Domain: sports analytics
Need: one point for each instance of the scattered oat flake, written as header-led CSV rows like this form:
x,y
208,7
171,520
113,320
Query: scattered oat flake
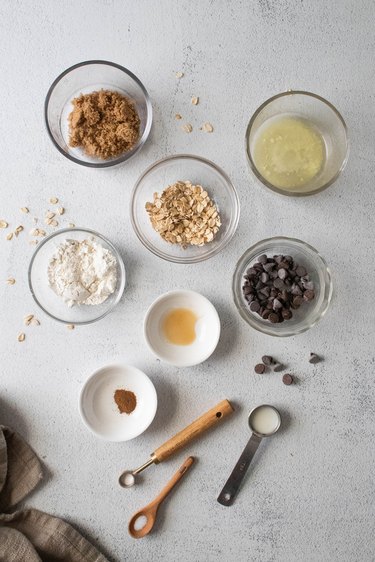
x,y
50,215
9,236
207,128
178,116
3,224
195,100
11,281
35,321
72,225
60,211
187,128
33,242
27,320
18,230
21,337
24,210
54,222
179,74
54,200
70,326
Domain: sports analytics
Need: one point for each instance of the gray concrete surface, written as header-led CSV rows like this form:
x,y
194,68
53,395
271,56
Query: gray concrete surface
x,y
310,493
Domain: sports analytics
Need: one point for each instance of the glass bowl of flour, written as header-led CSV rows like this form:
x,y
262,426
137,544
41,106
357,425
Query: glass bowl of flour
x,y
76,276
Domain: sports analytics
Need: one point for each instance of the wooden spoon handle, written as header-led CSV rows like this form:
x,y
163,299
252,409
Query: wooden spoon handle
x,y
173,481
209,419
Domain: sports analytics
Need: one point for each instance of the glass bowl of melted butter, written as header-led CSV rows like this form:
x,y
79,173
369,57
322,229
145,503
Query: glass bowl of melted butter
x,y
297,143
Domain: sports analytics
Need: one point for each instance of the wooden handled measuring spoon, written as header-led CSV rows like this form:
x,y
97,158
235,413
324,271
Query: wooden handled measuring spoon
x,y
210,419
150,511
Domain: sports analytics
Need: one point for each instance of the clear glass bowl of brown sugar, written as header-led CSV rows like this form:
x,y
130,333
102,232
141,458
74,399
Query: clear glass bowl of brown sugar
x,y
308,312
85,78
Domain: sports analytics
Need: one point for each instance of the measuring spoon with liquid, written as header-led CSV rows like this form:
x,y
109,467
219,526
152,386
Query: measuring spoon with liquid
x,y
263,421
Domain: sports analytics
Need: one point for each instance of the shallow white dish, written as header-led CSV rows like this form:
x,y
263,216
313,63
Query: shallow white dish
x,y
207,328
100,412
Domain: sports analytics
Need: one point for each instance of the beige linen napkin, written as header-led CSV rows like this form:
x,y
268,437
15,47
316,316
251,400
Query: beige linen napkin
x,y
30,535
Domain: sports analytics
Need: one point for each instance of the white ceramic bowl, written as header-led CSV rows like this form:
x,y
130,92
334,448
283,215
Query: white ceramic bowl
x,y
207,328
98,408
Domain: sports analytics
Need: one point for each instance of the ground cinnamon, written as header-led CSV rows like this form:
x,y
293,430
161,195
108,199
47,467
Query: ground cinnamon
x,y
126,400
104,124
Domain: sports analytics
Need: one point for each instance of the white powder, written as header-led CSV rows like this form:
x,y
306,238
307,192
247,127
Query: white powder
x,y
82,272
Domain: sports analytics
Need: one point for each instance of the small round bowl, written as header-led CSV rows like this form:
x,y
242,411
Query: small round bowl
x,y
84,78
46,298
303,254
99,410
207,328
199,171
326,119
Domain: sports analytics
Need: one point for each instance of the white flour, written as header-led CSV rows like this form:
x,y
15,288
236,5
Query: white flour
x,y
82,272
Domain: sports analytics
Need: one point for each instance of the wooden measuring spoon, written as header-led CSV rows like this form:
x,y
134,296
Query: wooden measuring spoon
x,y
151,510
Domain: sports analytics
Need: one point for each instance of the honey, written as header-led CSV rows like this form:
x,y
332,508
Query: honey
x,y
289,152
179,326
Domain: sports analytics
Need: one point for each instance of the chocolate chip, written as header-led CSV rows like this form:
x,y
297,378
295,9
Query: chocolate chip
x,y
297,301
301,271
278,367
277,304
264,277
246,290
287,379
254,306
260,368
279,284
309,295
286,314
263,259
314,358
268,267
265,314
274,318
267,360
282,273
251,272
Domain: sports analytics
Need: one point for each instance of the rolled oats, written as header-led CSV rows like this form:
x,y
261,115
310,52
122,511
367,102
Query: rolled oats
x,y
184,214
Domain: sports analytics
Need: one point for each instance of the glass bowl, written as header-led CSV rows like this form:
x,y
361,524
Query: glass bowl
x,y
199,171
323,116
303,254
84,78
46,298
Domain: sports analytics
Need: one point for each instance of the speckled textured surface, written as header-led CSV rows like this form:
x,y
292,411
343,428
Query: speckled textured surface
x,y
310,493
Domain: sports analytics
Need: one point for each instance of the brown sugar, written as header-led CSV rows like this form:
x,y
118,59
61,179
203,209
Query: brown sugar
x,y
126,401
104,124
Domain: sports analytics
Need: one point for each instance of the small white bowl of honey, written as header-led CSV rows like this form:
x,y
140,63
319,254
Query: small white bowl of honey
x,y
182,328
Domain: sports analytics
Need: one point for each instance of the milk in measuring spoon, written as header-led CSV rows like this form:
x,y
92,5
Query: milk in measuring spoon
x,y
264,420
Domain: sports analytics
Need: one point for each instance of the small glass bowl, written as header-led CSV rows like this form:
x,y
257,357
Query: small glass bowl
x,y
46,298
309,313
84,78
199,171
324,116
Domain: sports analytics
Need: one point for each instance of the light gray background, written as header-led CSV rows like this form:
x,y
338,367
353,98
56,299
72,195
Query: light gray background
x,y
310,493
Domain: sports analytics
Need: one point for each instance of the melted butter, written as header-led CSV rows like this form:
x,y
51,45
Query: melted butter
x,y
289,152
179,326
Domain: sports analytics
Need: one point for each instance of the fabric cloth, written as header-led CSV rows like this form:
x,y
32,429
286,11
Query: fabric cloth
x,y
30,535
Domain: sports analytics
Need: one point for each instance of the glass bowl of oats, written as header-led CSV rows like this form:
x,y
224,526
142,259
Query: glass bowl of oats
x,y
184,209
98,114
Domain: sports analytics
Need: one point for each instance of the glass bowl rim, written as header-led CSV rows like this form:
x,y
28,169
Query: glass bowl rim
x,y
116,254
231,189
255,170
239,270
126,155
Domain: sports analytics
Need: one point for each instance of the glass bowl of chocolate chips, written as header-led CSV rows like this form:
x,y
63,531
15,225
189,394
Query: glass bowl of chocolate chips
x,y
282,286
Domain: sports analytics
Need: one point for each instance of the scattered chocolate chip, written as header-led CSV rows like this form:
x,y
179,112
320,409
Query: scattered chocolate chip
x,y
267,360
314,358
278,367
260,368
287,379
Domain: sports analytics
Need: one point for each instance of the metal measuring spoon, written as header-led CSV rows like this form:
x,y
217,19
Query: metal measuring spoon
x,y
263,421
